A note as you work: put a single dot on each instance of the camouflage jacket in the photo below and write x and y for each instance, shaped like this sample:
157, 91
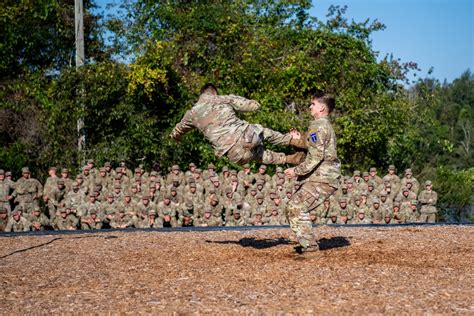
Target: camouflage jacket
321, 163
214, 116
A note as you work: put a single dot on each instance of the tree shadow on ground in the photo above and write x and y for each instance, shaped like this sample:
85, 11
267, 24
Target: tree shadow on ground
324, 243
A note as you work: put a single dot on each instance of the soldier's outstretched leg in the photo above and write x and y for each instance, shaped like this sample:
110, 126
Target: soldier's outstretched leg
278, 138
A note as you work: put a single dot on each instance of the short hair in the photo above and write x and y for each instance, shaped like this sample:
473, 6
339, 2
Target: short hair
209, 88
327, 99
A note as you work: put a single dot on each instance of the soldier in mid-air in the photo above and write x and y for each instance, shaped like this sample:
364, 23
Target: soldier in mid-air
214, 115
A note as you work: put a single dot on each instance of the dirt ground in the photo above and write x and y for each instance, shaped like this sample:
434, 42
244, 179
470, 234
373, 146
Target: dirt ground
358, 270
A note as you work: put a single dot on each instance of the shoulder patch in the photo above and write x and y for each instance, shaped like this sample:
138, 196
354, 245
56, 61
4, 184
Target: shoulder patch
313, 137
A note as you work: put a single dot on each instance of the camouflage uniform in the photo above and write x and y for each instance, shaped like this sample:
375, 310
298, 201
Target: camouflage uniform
27, 191
5, 191
320, 174
3, 218
428, 199
17, 223
240, 141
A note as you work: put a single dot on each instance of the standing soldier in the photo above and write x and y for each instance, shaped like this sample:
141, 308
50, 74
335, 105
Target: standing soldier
27, 190
5, 192
393, 178
50, 184
428, 199
409, 177
320, 172
214, 115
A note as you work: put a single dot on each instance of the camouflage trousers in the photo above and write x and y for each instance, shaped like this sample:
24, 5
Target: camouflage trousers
308, 197
250, 146
428, 217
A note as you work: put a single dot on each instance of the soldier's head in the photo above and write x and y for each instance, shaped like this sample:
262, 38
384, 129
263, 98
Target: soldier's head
25, 172
258, 214
117, 189
365, 176
408, 173
413, 204
2, 174
16, 215
167, 199
357, 200
102, 172
145, 199
36, 211
350, 184
259, 198
207, 213
391, 169
90, 164
60, 184
321, 105
93, 196
406, 191
428, 185
173, 192
237, 214
361, 214
52, 171
376, 203
396, 207
383, 196
313, 215
343, 203
356, 175
127, 198
75, 186
246, 168
110, 198
262, 169
274, 211
63, 212
387, 217
86, 171
175, 170
107, 166
373, 172
209, 88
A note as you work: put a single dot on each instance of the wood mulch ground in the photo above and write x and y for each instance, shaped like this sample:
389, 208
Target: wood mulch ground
397, 270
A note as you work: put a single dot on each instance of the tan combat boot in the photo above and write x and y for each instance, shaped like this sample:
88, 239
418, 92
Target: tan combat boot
296, 158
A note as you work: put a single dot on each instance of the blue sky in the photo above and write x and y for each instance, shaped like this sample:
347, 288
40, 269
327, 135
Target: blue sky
432, 33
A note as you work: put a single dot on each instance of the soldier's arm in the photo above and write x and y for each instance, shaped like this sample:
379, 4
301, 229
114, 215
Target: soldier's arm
241, 104
182, 127
317, 138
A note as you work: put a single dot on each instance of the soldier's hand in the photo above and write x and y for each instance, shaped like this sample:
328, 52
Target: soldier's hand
290, 172
175, 137
295, 134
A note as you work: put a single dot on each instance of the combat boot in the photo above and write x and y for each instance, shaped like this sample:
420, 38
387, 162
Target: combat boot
312, 248
299, 143
296, 158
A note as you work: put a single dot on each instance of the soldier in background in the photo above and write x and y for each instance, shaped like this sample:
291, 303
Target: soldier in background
409, 177
214, 115
5, 192
18, 223
27, 191
38, 220
428, 199
3, 218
